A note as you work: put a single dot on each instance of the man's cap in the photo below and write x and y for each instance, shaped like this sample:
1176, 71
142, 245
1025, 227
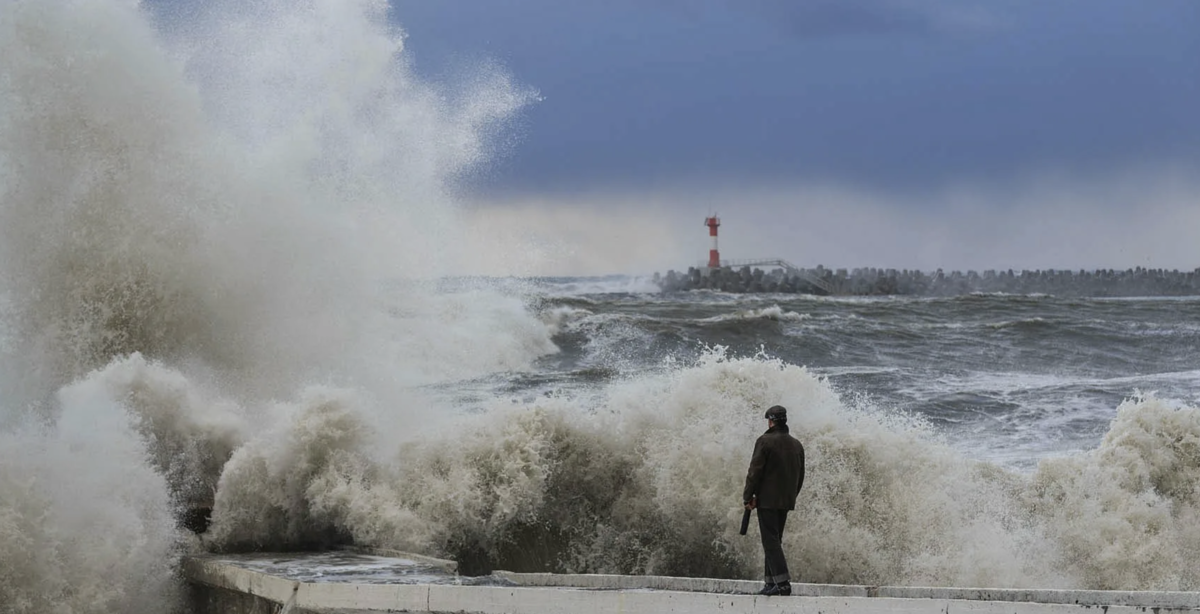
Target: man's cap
777, 413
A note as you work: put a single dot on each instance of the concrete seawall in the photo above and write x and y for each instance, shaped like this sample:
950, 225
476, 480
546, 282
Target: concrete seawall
374, 583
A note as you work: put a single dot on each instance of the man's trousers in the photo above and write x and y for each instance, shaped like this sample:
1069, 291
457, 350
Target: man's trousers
770, 526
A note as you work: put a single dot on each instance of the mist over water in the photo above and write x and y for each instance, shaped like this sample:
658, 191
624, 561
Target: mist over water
223, 245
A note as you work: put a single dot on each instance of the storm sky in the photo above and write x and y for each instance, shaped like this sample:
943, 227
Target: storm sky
918, 133
882, 94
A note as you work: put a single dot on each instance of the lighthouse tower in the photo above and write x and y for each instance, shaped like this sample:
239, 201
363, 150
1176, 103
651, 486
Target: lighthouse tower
714, 257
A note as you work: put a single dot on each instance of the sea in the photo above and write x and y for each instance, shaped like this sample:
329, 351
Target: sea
230, 255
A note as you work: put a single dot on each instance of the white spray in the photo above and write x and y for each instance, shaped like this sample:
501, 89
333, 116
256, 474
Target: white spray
196, 221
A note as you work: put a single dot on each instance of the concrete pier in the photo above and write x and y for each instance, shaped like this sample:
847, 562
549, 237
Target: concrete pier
352, 582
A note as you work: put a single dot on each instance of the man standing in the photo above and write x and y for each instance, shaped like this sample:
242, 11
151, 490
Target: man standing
772, 485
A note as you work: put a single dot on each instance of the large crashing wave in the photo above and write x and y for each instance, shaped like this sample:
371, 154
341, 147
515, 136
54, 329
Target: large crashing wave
231, 197
194, 221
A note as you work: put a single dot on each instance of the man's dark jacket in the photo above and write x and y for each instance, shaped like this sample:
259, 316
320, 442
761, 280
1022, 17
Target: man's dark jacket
776, 470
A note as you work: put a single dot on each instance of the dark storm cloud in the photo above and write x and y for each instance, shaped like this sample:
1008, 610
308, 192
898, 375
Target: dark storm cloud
889, 94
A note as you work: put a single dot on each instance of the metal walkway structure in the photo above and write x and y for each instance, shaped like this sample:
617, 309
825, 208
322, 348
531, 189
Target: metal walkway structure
790, 268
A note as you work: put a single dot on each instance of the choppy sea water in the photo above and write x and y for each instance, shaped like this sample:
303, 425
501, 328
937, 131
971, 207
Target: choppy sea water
1009, 379
204, 232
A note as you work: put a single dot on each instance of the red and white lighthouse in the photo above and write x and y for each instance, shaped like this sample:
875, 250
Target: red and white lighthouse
714, 257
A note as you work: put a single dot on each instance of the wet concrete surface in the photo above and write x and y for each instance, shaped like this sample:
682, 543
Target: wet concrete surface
351, 567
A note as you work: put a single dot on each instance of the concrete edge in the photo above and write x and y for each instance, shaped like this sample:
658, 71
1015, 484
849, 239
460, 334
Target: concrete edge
234, 578
1141, 599
1138, 599
535, 600
444, 564
672, 583
327, 596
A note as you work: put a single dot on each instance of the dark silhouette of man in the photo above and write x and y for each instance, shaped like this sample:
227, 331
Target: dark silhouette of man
772, 485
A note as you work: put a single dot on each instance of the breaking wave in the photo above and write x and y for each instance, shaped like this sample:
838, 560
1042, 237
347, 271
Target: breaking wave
195, 220
647, 482
86, 525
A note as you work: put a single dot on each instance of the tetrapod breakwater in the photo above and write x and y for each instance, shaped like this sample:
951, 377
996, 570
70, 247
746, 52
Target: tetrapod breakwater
875, 281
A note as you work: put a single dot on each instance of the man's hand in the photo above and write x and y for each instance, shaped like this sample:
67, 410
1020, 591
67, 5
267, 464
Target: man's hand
752, 504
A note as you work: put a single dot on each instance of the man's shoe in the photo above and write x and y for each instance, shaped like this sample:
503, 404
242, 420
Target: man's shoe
783, 589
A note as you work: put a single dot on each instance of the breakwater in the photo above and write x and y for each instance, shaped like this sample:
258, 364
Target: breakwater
872, 281
302, 584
